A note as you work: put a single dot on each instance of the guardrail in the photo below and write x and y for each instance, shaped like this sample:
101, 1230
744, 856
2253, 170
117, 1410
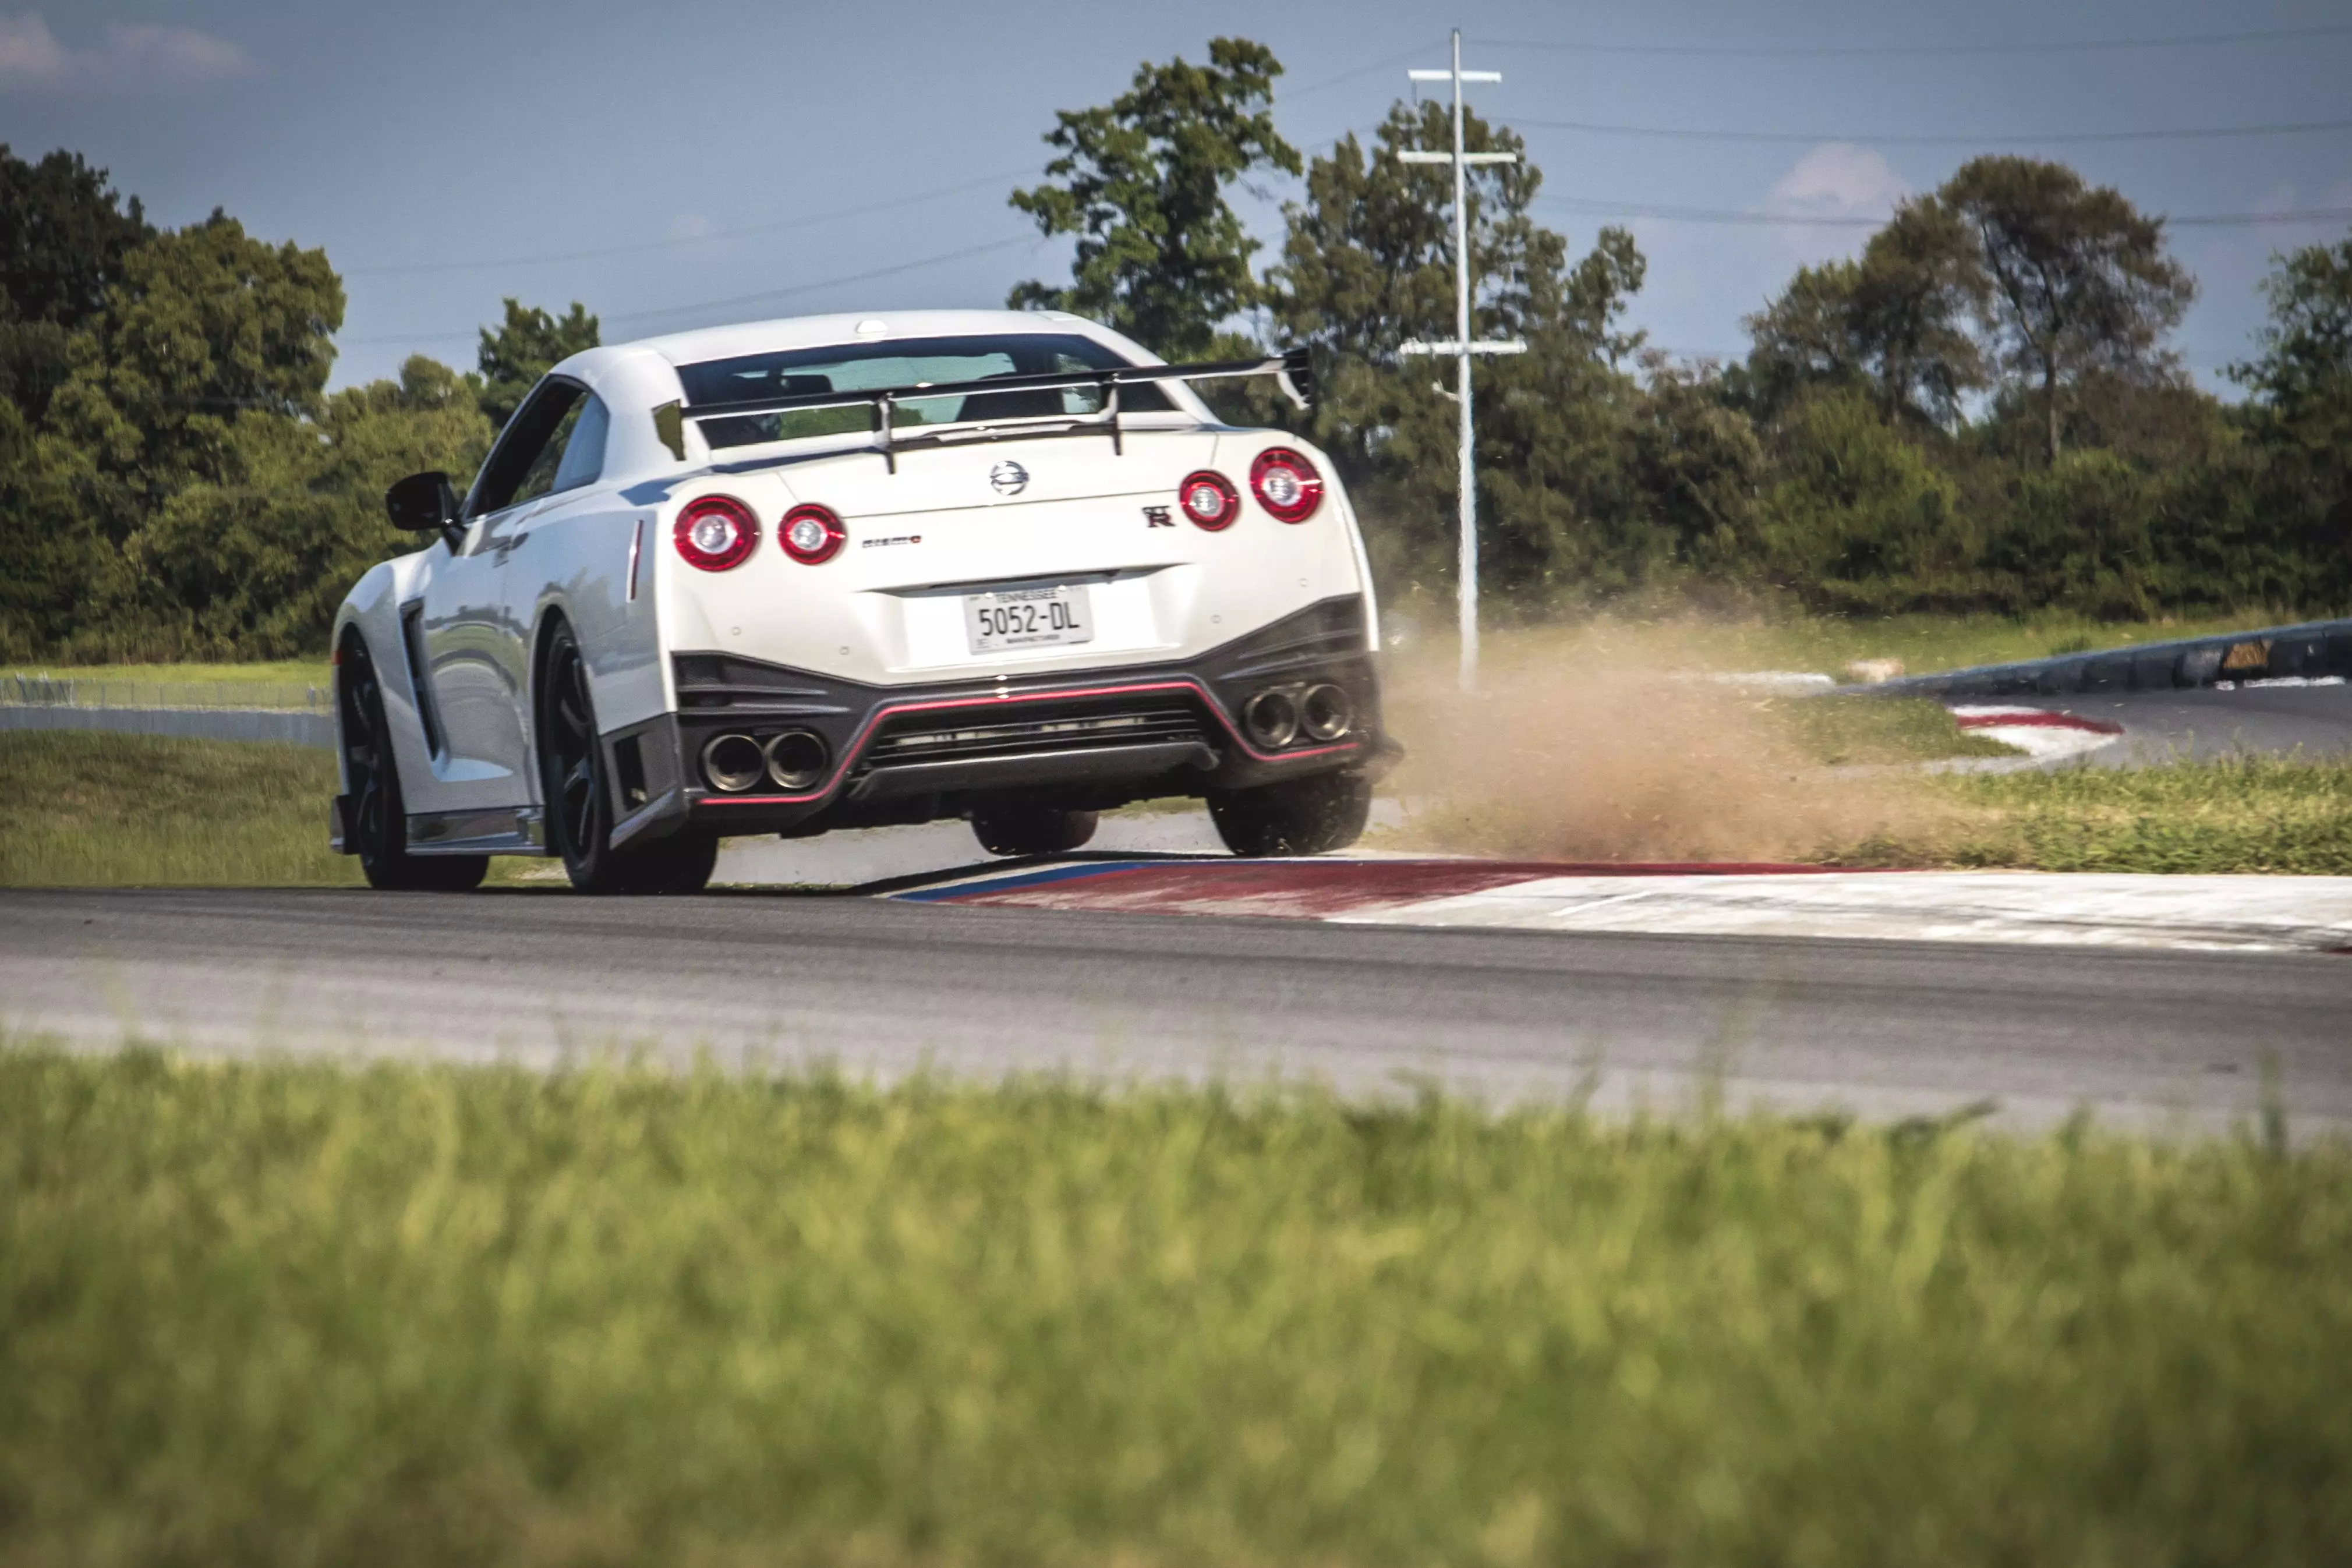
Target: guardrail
2311, 650
293, 726
80, 692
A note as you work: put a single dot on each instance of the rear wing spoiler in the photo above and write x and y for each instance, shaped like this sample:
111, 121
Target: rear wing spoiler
1292, 372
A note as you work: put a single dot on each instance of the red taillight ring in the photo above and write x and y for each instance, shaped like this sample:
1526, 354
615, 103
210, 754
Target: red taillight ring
811, 534
715, 533
1209, 499
1285, 483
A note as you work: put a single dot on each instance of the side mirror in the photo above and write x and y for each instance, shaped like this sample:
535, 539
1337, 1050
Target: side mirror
423, 503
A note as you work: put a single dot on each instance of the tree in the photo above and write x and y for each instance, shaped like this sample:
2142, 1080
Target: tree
63, 233
1894, 320
2304, 373
206, 323
2076, 278
1591, 477
524, 347
256, 556
1161, 254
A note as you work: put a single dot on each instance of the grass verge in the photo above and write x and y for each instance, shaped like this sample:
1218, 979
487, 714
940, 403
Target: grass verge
87, 809
2247, 814
286, 1314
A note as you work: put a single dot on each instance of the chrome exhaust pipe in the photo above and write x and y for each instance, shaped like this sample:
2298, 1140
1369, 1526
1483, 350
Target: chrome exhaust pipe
1271, 718
1327, 712
731, 762
795, 759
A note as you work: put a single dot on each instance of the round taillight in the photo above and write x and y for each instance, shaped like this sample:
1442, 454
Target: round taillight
1208, 498
716, 532
1285, 483
812, 535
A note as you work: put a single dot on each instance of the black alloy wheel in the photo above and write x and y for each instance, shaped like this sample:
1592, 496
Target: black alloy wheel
1017, 828
378, 819
1297, 817
579, 797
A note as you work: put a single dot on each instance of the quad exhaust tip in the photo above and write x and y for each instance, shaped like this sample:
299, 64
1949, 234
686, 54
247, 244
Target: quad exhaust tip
1271, 718
796, 760
732, 762
1327, 712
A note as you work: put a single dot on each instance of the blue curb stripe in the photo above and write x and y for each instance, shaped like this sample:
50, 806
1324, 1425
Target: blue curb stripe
1019, 879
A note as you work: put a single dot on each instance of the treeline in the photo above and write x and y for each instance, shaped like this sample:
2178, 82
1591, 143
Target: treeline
175, 480
1981, 412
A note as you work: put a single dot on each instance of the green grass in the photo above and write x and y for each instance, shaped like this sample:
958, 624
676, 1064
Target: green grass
95, 809
1881, 731
286, 1314
2251, 814
1929, 643
274, 672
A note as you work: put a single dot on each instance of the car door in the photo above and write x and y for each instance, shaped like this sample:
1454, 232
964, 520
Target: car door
477, 653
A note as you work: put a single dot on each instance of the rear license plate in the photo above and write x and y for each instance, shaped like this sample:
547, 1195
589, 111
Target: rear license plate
1028, 618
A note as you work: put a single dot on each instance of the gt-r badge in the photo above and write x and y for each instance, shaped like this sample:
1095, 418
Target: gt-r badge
1008, 478
1157, 518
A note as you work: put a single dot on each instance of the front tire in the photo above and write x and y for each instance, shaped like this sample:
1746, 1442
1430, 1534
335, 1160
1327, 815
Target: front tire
1019, 829
579, 798
378, 824
1297, 817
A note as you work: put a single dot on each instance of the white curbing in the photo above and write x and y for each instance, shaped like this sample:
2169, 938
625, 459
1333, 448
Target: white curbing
2244, 914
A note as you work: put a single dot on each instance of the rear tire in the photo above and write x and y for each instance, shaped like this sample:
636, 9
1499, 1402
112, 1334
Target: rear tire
378, 824
579, 798
1017, 828
1297, 817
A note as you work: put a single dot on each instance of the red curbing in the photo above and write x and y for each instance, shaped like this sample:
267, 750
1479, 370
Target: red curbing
1302, 889
2032, 718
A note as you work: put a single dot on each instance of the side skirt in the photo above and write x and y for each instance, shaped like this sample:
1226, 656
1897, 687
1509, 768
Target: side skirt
502, 830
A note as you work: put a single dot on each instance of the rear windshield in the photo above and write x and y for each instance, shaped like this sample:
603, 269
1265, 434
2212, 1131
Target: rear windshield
907, 363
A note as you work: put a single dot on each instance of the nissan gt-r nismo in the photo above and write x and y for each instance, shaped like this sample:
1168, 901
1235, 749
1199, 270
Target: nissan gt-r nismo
840, 572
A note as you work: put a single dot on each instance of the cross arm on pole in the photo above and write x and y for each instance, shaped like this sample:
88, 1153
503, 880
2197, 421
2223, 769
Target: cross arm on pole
1479, 346
1448, 76
1467, 157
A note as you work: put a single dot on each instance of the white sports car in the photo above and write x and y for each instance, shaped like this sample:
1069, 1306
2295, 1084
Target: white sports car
838, 572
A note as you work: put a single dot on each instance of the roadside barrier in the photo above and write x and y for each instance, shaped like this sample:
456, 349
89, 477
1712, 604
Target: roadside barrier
293, 726
2312, 650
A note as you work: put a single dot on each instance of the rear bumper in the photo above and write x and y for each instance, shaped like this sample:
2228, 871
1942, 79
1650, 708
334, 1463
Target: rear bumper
1087, 740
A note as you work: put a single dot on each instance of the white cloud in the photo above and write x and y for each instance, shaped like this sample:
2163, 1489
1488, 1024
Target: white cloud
128, 56
1836, 180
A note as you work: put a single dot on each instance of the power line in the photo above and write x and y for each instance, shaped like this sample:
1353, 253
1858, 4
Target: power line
2087, 46
778, 226
739, 299
1282, 96
1679, 133
1672, 214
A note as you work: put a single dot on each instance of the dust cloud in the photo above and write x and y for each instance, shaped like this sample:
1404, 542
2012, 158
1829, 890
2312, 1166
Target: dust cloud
1612, 742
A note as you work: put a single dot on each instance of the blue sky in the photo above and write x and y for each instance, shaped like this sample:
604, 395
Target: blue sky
446, 156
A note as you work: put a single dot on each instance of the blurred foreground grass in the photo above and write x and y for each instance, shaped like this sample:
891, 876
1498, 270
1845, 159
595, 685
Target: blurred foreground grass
286, 1314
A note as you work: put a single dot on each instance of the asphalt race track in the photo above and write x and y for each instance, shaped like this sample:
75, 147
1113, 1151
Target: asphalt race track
2206, 723
765, 980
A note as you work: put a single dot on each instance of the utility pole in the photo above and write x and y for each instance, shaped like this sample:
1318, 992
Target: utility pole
1462, 347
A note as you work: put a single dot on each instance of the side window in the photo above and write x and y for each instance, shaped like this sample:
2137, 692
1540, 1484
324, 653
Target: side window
538, 480
523, 464
583, 452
